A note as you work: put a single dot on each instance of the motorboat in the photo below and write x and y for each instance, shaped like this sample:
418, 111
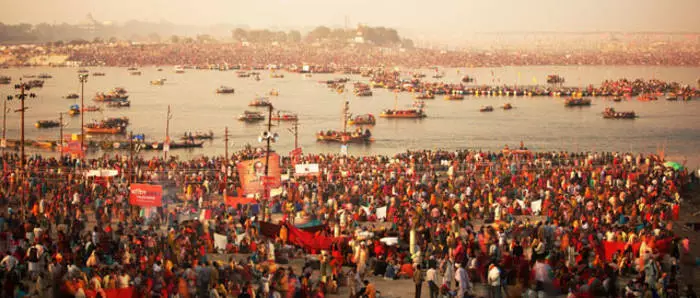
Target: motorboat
159, 82
577, 102
100, 128
467, 79
47, 124
135, 73
251, 116
555, 79
610, 113
44, 76
72, 96
225, 90
4, 80
35, 83
507, 106
333, 136
98, 74
454, 96
428, 95
179, 69
486, 109
407, 114
260, 102
74, 110
284, 116
119, 104
365, 119
198, 136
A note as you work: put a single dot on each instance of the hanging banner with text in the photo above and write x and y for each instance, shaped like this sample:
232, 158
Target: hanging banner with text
252, 174
146, 195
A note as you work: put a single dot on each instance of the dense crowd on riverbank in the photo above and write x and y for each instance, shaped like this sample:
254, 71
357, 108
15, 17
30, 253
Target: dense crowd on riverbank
458, 215
353, 55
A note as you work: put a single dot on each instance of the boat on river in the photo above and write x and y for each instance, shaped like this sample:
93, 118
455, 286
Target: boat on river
72, 96
225, 90
251, 116
610, 113
507, 106
413, 113
159, 82
364, 119
198, 136
486, 109
284, 116
260, 102
467, 79
427, 95
555, 79
577, 102
119, 104
344, 136
47, 124
100, 128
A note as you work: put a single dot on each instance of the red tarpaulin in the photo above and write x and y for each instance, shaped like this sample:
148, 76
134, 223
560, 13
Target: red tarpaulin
235, 201
304, 238
146, 195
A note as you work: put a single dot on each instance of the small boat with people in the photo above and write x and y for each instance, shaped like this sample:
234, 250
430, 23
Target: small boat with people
277, 76
362, 92
47, 124
555, 79
647, 97
44, 76
671, 98
35, 83
72, 96
395, 113
251, 116
467, 79
198, 136
135, 73
260, 102
118, 94
98, 74
419, 104
454, 96
364, 119
610, 113
426, 95
174, 145
225, 90
4, 80
101, 128
74, 110
333, 136
158, 82
617, 99
242, 74
83, 70
92, 109
274, 92
284, 116
119, 104
577, 102
486, 109
179, 69
507, 106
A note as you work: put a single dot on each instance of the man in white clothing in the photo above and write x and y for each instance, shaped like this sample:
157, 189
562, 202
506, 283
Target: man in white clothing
463, 283
431, 277
494, 281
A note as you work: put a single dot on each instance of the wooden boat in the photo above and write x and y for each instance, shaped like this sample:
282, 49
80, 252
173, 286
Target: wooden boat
251, 116
363, 92
276, 76
422, 96
72, 96
274, 92
507, 106
454, 96
617, 99
610, 113
671, 98
100, 129
198, 136
44, 76
35, 83
74, 110
365, 119
333, 136
284, 116
118, 94
486, 109
225, 90
344, 136
406, 114
132, 68
243, 74
555, 79
92, 109
260, 102
577, 102
179, 69
159, 82
467, 79
98, 74
174, 145
47, 124
83, 71
647, 97
5, 80
29, 76
119, 104
135, 73
120, 121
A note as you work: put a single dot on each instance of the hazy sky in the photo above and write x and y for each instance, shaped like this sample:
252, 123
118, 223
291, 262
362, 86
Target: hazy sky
425, 17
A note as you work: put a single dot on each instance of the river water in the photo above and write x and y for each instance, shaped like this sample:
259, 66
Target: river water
543, 123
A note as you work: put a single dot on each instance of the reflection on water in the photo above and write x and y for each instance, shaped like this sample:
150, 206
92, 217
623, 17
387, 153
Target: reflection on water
542, 123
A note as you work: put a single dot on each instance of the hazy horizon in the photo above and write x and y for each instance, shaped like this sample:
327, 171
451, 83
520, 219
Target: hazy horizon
434, 20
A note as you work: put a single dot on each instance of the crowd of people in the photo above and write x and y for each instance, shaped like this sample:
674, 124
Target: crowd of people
509, 223
355, 55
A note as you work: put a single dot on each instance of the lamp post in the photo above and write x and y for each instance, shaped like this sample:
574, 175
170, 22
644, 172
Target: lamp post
267, 137
83, 79
23, 88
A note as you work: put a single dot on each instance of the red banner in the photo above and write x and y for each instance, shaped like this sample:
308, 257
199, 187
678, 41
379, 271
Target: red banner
114, 293
252, 174
146, 195
73, 148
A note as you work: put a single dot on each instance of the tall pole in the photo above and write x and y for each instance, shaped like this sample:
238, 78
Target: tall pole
267, 152
4, 120
83, 80
22, 126
167, 135
131, 156
296, 133
22, 96
60, 135
226, 162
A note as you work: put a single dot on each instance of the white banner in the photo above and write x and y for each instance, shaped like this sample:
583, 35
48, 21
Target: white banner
536, 206
381, 213
390, 241
220, 241
306, 169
